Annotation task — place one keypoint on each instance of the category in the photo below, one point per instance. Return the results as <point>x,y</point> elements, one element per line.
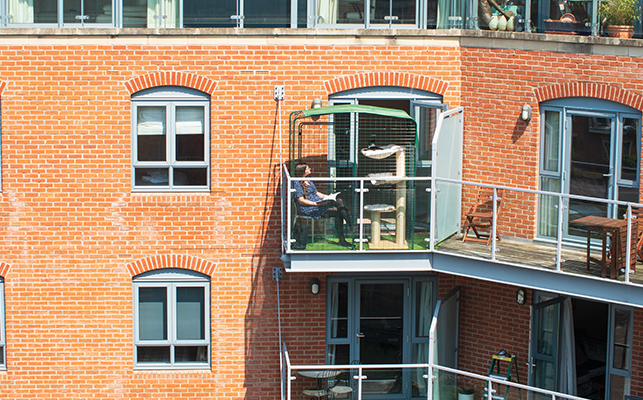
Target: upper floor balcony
<point>392,218</point>
<point>578,17</point>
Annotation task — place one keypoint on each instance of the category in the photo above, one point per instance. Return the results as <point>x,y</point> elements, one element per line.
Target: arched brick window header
<point>4,269</point>
<point>588,89</point>
<point>386,79</point>
<point>171,261</point>
<point>171,79</point>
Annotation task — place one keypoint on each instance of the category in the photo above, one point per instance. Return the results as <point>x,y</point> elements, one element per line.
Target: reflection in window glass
<point>134,13</point>
<point>338,309</point>
<point>256,15</point>
<point>206,13</point>
<point>621,338</point>
<point>152,312</point>
<point>630,149</point>
<point>551,141</point>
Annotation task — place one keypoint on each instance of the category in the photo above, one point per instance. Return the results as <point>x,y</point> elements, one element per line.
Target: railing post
<point>628,246</point>
<point>559,232</point>
<point>494,222</point>
<point>432,197</point>
<point>361,214</point>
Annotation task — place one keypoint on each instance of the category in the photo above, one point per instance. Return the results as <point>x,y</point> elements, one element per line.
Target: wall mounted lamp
<point>317,103</point>
<point>521,296</point>
<point>525,114</point>
<point>315,286</point>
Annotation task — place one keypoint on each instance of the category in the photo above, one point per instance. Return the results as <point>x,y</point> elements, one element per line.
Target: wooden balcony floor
<point>541,255</point>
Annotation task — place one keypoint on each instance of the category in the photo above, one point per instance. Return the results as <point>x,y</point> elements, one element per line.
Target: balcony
<point>429,236</point>
<point>577,17</point>
<point>428,373</point>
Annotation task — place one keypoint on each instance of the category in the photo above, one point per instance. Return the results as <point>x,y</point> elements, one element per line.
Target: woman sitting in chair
<point>310,204</point>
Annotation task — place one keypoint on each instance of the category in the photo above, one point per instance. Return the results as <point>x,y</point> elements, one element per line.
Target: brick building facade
<point>76,232</point>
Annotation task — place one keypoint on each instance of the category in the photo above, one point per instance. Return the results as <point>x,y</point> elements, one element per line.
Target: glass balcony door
<point>589,153</point>
<point>82,12</point>
<point>364,13</point>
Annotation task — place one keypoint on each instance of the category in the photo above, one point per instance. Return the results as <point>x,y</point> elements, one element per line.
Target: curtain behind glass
<point>327,11</point>
<point>162,13</point>
<point>423,316</point>
<point>449,8</point>
<point>567,351</point>
<point>21,11</point>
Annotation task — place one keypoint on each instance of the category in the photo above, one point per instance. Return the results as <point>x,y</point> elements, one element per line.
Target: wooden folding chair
<point>480,218</point>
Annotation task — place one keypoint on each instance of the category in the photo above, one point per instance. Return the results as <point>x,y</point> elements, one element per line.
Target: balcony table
<point>608,228</point>
<point>320,375</point>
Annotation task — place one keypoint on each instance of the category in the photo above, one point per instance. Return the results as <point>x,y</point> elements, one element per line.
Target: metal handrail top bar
<point>508,383</point>
<point>356,366</point>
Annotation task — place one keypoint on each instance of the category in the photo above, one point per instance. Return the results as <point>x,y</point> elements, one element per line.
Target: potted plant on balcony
<point>465,392</point>
<point>619,15</point>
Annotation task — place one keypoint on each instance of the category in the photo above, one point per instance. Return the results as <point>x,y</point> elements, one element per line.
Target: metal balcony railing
<point>443,384</point>
<point>532,228</point>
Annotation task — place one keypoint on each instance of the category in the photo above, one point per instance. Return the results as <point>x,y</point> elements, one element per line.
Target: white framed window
<point>3,347</point>
<point>170,140</point>
<point>171,320</point>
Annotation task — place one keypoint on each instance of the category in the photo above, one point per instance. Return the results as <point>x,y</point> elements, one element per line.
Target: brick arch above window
<point>589,89</point>
<point>386,79</point>
<point>171,261</point>
<point>4,267</point>
<point>171,79</point>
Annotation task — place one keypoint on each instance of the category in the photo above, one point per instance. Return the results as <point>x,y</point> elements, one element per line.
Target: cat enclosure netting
<point>375,144</point>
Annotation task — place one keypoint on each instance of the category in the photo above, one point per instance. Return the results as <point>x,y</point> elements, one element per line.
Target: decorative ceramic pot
<point>493,23</point>
<point>502,23</point>
<point>620,31</point>
<point>462,396</point>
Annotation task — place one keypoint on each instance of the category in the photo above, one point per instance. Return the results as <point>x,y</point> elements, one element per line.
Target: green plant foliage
<point>620,12</point>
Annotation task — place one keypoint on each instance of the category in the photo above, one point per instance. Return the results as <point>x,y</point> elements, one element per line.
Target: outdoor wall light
<point>525,115</point>
<point>521,296</point>
<point>314,286</point>
<point>317,103</point>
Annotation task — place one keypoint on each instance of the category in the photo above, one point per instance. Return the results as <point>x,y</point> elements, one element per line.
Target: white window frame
<point>171,279</point>
<point>3,342</point>
<point>171,97</point>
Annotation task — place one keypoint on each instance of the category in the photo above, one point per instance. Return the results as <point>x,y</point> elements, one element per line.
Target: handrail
<point>562,197</point>
<point>430,366</point>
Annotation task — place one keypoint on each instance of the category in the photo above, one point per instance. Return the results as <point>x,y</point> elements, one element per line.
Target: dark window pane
<point>151,148</point>
<point>190,313</point>
<point>205,13</point>
<point>152,313</point>
<point>190,147</point>
<point>1,355</point>
<point>151,177</point>
<point>190,176</point>
<point>257,15</point>
<point>151,133</point>
<point>630,151</point>
<point>134,14</point>
<point>185,354</point>
<point>152,354</point>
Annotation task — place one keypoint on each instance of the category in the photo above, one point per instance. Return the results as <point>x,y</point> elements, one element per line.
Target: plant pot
<point>620,31</point>
<point>462,396</point>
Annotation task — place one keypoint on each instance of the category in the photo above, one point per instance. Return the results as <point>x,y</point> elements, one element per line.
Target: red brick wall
<point>71,230</point>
